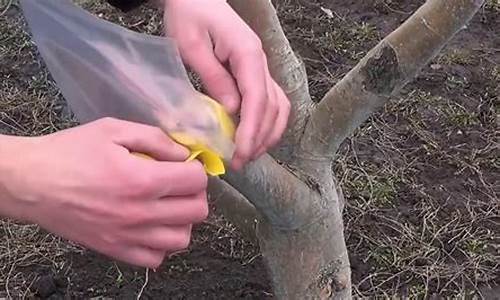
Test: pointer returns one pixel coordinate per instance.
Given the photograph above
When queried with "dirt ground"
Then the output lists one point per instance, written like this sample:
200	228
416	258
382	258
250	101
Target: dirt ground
420	177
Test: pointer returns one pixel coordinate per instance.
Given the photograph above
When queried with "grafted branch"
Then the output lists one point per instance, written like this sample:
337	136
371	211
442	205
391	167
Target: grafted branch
383	72
283	199
285	67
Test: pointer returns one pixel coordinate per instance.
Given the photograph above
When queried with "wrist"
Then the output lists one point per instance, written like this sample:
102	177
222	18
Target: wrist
15	202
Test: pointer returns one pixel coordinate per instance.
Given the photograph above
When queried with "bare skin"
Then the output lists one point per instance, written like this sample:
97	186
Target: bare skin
84	184
229	58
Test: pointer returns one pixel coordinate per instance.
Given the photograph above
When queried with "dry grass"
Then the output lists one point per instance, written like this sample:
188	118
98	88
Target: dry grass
26	246
420	231
420	176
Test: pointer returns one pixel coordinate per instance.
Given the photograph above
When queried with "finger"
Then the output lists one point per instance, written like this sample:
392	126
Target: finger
282	118
270	116
141	256
218	82
281	122
172	178
146	139
167	238
249	70
180	210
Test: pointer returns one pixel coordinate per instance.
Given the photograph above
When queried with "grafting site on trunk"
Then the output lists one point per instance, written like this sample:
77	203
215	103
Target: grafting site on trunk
301	231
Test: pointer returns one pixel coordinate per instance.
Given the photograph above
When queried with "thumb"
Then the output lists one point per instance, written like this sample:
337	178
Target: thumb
148	140
218	82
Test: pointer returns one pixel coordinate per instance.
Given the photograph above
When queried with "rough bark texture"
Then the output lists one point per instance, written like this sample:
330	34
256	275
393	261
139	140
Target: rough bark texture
282	198
383	72
300	231
285	67
235	207
301	234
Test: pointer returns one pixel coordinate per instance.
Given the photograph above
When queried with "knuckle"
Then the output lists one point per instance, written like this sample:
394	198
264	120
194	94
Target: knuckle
159	135
190	43
138	186
202	209
184	241
156	261
108	124
198	172
287	106
246	152
204	180
255	43
217	77
123	215
109	239
252	46
137	217
274	109
274	139
107	120
260	99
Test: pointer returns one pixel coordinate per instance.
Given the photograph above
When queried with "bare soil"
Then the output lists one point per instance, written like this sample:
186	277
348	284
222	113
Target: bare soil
420	177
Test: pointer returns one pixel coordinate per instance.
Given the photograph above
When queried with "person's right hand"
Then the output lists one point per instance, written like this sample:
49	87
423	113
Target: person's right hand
84	184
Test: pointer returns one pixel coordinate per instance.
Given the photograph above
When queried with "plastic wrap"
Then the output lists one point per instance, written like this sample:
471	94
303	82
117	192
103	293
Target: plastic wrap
105	70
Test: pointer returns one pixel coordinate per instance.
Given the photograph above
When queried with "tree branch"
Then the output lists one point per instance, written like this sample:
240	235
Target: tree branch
283	199
285	67
383	72
235	207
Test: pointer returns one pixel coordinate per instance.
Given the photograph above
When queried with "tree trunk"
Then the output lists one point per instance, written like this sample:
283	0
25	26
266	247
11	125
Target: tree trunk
301	231
297	208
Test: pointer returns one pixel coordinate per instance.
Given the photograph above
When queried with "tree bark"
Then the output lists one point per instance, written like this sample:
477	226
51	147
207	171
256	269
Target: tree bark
285	67
383	72
300	231
301	234
235	207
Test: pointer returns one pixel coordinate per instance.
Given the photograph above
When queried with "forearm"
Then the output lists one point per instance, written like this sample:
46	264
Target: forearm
12	203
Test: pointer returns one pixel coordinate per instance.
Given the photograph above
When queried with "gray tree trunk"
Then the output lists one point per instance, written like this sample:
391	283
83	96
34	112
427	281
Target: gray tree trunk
294	209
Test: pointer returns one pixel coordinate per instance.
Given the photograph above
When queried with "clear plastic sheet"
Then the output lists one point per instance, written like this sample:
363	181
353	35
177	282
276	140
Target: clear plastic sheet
105	70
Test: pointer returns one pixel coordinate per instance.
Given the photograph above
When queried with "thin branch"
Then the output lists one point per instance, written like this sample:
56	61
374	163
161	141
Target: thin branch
383	72
285	67
235	207
146	281
6	7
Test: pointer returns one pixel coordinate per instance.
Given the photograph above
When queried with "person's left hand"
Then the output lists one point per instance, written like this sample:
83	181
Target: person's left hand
218	45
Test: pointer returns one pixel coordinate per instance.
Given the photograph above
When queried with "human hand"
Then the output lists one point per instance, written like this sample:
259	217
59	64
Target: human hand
211	36
84	184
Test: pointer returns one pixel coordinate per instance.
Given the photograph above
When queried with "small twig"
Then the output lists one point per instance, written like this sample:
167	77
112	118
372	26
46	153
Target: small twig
6	8
146	280
395	10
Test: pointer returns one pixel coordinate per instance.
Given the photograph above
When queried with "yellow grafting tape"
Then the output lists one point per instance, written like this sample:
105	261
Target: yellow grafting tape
212	161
